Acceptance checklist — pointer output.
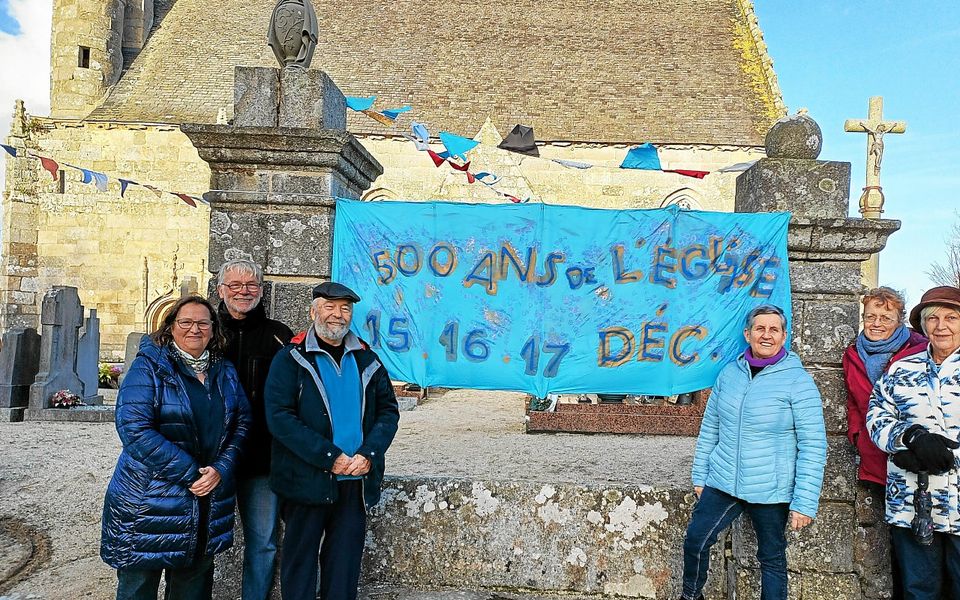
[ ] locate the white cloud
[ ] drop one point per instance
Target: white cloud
(25, 62)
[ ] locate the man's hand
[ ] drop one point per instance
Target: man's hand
(341, 464)
(360, 465)
(209, 479)
(798, 521)
(698, 489)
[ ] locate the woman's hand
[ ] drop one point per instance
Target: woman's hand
(698, 489)
(798, 521)
(209, 479)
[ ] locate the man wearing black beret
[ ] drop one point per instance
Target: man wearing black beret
(333, 414)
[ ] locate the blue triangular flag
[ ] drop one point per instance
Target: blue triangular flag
(123, 186)
(393, 113)
(456, 145)
(643, 157)
(87, 175)
(359, 104)
(10, 150)
(99, 180)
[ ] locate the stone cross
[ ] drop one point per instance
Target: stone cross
(88, 359)
(61, 316)
(871, 201)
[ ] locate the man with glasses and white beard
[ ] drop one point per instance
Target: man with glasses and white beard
(333, 414)
(252, 342)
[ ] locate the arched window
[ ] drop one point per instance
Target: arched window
(685, 198)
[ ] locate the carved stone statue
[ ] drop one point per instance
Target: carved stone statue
(293, 32)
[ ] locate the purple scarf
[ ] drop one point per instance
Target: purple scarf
(764, 362)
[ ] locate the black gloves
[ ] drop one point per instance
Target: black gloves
(926, 452)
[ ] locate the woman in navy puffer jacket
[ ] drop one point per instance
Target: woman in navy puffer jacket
(182, 416)
(761, 450)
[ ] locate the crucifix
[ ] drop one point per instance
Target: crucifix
(871, 200)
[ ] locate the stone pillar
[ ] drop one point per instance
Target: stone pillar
(61, 317)
(88, 359)
(274, 174)
(20, 214)
(19, 363)
(826, 250)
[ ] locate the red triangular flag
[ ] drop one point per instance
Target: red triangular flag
(186, 198)
(463, 167)
(435, 157)
(50, 165)
(688, 173)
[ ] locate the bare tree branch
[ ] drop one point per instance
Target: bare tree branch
(948, 271)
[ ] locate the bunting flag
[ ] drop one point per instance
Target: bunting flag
(393, 113)
(520, 140)
(383, 120)
(50, 166)
(437, 159)
(10, 150)
(123, 186)
(420, 133)
(99, 180)
(572, 164)
(741, 166)
(360, 104)
(156, 192)
(456, 145)
(186, 198)
(688, 173)
(643, 157)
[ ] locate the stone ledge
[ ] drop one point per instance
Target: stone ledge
(87, 414)
(841, 240)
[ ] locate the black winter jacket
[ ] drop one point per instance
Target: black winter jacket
(298, 414)
(251, 345)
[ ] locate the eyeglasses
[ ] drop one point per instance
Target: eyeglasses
(187, 324)
(882, 319)
(236, 287)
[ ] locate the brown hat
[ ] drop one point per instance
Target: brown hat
(947, 295)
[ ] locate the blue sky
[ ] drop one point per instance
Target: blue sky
(830, 57)
(8, 24)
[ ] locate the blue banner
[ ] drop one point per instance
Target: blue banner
(544, 298)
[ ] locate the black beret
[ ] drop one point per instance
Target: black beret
(335, 291)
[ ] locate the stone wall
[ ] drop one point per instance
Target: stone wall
(123, 254)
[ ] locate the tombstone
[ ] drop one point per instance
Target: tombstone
(130, 353)
(61, 316)
(19, 363)
(88, 359)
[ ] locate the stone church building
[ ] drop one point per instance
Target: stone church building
(592, 78)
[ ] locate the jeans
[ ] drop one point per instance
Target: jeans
(190, 583)
(922, 568)
(714, 512)
(259, 514)
(341, 527)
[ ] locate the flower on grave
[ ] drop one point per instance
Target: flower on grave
(109, 375)
(65, 399)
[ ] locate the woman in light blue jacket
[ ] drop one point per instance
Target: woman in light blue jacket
(761, 450)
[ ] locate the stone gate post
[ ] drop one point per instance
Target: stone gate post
(274, 174)
(826, 248)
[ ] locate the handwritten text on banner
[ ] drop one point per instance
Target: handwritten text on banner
(543, 298)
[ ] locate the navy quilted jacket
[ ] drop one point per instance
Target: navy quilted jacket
(762, 438)
(151, 519)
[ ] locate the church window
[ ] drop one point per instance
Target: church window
(84, 58)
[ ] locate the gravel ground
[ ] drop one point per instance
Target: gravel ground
(53, 475)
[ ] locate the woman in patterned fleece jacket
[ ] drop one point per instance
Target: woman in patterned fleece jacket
(914, 415)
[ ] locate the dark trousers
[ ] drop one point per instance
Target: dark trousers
(191, 583)
(340, 527)
(714, 512)
(928, 572)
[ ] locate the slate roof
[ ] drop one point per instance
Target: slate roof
(610, 71)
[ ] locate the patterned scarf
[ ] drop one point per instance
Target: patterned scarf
(199, 364)
(876, 354)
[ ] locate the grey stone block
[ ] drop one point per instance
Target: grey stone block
(12, 415)
(310, 99)
(808, 188)
(840, 474)
(256, 97)
(830, 382)
(77, 414)
(823, 328)
(19, 364)
(825, 277)
(290, 303)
